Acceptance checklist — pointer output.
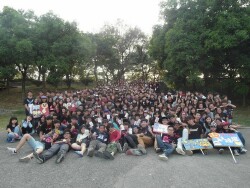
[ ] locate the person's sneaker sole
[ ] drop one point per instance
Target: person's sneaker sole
(142, 149)
(25, 159)
(108, 155)
(79, 154)
(189, 152)
(12, 151)
(59, 159)
(38, 159)
(99, 154)
(163, 158)
(90, 153)
(236, 154)
(221, 151)
(125, 148)
(243, 151)
(119, 147)
(134, 152)
(157, 150)
(180, 151)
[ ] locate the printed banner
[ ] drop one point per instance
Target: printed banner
(160, 128)
(226, 140)
(197, 144)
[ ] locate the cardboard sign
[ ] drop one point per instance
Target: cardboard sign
(197, 144)
(226, 140)
(160, 128)
(36, 111)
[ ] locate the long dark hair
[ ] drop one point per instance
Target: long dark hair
(13, 118)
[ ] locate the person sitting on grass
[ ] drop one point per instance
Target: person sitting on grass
(13, 130)
(167, 143)
(37, 146)
(81, 141)
(114, 136)
(60, 147)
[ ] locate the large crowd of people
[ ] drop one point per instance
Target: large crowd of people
(111, 119)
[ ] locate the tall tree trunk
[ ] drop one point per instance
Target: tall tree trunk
(8, 85)
(95, 72)
(24, 77)
(39, 73)
(68, 81)
(44, 80)
(244, 101)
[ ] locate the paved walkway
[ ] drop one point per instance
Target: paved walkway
(212, 170)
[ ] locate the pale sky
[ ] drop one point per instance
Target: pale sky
(91, 15)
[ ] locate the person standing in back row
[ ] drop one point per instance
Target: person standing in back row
(28, 102)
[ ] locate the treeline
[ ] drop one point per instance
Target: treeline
(205, 45)
(202, 45)
(49, 49)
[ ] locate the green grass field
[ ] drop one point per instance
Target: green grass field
(12, 105)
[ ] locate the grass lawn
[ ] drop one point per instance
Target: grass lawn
(241, 116)
(12, 105)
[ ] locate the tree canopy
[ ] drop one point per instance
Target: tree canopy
(204, 44)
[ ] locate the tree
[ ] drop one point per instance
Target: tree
(49, 29)
(71, 50)
(18, 27)
(202, 39)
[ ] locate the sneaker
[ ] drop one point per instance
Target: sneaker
(79, 153)
(119, 147)
(189, 152)
(205, 151)
(18, 138)
(158, 150)
(108, 155)
(142, 149)
(99, 154)
(25, 159)
(90, 152)
(163, 157)
(236, 153)
(243, 150)
(134, 152)
(59, 158)
(38, 158)
(221, 151)
(180, 151)
(12, 150)
(125, 147)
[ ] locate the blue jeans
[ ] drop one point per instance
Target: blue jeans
(167, 148)
(242, 139)
(11, 136)
(55, 148)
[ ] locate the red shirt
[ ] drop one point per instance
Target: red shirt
(114, 136)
